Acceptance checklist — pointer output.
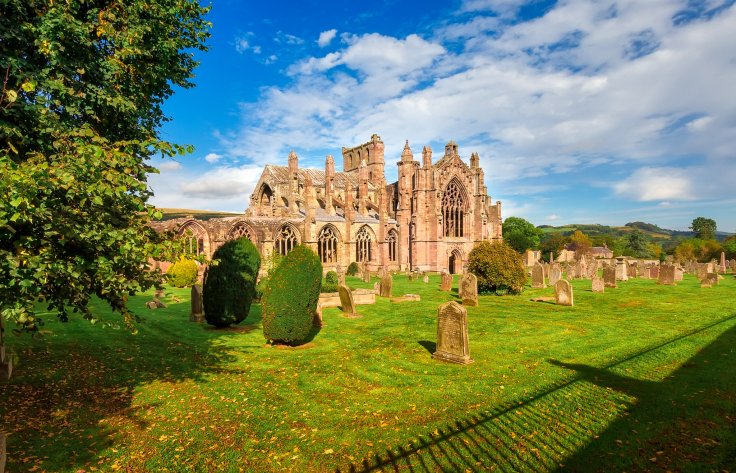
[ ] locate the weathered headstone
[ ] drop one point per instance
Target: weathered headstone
(632, 270)
(446, 284)
(538, 276)
(563, 293)
(452, 334)
(679, 273)
(722, 267)
(426, 278)
(386, 285)
(555, 274)
(341, 277)
(654, 272)
(197, 314)
(347, 304)
(712, 278)
(468, 289)
(597, 284)
(609, 276)
(621, 269)
(702, 270)
(646, 272)
(667, 275)
(151, 305)
(366, 274)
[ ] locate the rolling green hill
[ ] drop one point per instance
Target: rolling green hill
(171, 214)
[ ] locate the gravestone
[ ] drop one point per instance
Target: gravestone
(446, 284)
(632, 270)
(197, 314)
(347, 304)
(366, 274)
(452, 334)
(538, 276)
(597, 285)
(654, 272)
(667, 275)
(151, 305)
(609, 276)
(386, 285)
(712, 278)
(555, 274)
(159, 294)
(563, 293)
(679, 273)
(646, 273)
(621, 269)
(722, 267)
(468, 289)
(701, 270)
(425, 278)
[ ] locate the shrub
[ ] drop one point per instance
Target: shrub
(353, 269)
(331, 278)
(230, 285)
(498, 267)
(328, 287)
(182, 273)
(290, 299)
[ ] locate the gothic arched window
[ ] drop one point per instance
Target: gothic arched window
(327, 244)
(241, 230)
(363, 245)
(453, 209)
(286, 240)
(192, 238)
(392, 240)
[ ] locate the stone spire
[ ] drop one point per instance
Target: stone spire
(474, 161)
(407, 155)
(329, 184)
(427, 157)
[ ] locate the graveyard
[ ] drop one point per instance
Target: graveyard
(639, 377)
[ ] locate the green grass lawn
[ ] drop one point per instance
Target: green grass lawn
(642, 377)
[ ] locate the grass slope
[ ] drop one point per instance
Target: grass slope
(171, 214)
(638, 378)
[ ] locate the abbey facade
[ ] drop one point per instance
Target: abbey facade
(428, 220)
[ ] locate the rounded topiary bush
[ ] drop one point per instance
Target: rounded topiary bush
(498, 267)
(230, 285)
(290, 300)
(331, 277)
(353, 269)
(182, 273)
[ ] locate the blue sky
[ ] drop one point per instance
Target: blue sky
(582, 111)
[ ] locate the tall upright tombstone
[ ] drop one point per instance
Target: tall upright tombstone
(597, 284)
(538, 276)
(468, 289)
(555, 274)
(366, 273)
(667, 275)
(452, 334)
(386, 285)
(621, 269)
(609, 276)
(563, 293)
(197, 314)
(347, 304)
(722, 266)
(446, 284)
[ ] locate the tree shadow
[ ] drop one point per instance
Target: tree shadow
(431, 347)
(562, 440)
(76, 387)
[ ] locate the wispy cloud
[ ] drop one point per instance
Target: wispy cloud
(326, 37)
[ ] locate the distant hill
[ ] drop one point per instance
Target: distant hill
(171, 214)
(656, 233)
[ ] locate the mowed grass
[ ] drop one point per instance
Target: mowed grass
(642, 377)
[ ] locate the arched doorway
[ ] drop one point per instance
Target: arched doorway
(455, 263)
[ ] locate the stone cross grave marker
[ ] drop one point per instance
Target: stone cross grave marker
(597, 284)
(446, 284)
(347, 304)
(386, 285)
(452, 334)
(563, 293)
(609, 276)
(538, 276)
(197, 314)
(468, 289)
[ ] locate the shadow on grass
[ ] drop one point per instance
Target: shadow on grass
(687, 419)
(72, 396)
(431, 347)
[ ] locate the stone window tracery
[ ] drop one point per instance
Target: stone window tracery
(453, 209)
(327, 245)
(241, 230)
(363, 245)
(192, 240)
(286, 240)
(392, 240)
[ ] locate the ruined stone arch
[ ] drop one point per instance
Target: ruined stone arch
(242, 229)
(364, 244)
(195, 239)
(455, 258)
(455, 204)
(286, 238)
(328, 244)
(265, 195)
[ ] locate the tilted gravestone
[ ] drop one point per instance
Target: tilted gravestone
(386, 285)
(468, 289)
(609, 276)
(538, 276)
(452, 334)
(563, 293)
(197, 314)
(597, 284)
(555, 274)
(446, 284)
(347, 304)
(667, 275)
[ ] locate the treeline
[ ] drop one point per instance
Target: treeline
(636, 239)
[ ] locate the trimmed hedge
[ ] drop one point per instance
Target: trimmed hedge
(230, 285)
(182, 273)
(498, 267)
(331, 278)
(290, 300)
(353, 269)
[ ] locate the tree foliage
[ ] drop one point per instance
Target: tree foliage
(580, 243)
(696, 249)
(552, 243)
(520, 234)
(83, 84)
(704, 228)
(729, 247)
(183, 273)
(230, 286)
(498, 267)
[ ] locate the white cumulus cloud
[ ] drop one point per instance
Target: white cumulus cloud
(326, 37)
